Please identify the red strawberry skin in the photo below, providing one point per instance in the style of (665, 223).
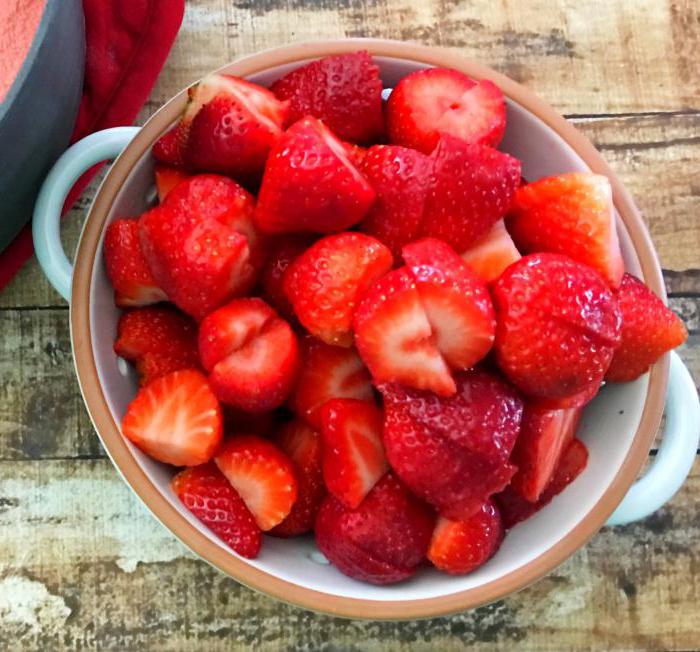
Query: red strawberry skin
(453, 452)
(473, 188)
(342, 90)
(251, 354)
(649, 329)
(310, 184)
(558, 325)
(435, 101)
(158, 340)
(170, 147)
(571, 214)
(460, 547)
(128, 272)
(382, 541)
(514, 508)
(327, 372)
(400, 177)
(211, 498)
(304, 447)
(325, 283)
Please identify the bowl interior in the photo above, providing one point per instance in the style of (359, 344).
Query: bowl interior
(608, 426)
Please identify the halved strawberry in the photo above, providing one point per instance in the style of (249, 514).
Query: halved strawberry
(197, 243)
(310, 184)
(304, 447)
(570, 214)
(262, 475)
(210, 497)
(577, 400)
(327, 372)
(170, 147)
(435, 101)
(456, 302)
(514, 508)
(158, 340)
(175, 419)
(167, 177)
(460, 547)
(473, 188)
(342, 90)
(128, 272)
(649, 329)
(544, 436)
(492, 253)
(325, 283)
(394, 337)
(353, 454)
(400, 176)
(252, 355)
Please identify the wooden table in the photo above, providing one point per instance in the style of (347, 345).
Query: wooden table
(82, 564)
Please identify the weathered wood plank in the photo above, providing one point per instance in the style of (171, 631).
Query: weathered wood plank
(93, 544)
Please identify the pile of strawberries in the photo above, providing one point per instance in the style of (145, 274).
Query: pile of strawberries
(354, 344)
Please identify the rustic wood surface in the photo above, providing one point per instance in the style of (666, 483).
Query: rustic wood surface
(83, 565)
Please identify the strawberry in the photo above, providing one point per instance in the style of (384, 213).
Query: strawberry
(472, 189)
(310, 184)
(400, 177)
(282, 252)
(303, 445)
(435, 101)
(158, 340)
(356, 154)
(128, 272)
(382, 541)
(342, 90)
(325, 283)
(262, 475)
(453, 452)
(544, 436)
(197, 243)
(649, 329)
(327, 372)
(577, 400)
(175, 419)
(167, 177)
(353, 455)
(258, 423)
(492, 253)
(394, 337)
(570, 214)
(456, 302)
(514, 508)
(252, 355)
(211, 498)
(558, 325)
(460, 547)
(170, 147)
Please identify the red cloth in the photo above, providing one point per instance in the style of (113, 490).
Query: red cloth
(127, 43)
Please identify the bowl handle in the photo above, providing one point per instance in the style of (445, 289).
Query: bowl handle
(101, 146)
(676, 454)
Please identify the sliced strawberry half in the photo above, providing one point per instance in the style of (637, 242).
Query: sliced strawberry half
(252, 355)
(353, 454)
(262, 475)
(324, 284)
(435, 101)
(310, 184)
(492, 253)
(127, 270)
(210, 497)
(570, 214)
(460, 547)
(394, 337)
(544, 436)
(456, 302)
(304, 447)
(473, 188)
(175, 419)
(328, 372)
(167, 177)
(344, 91)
